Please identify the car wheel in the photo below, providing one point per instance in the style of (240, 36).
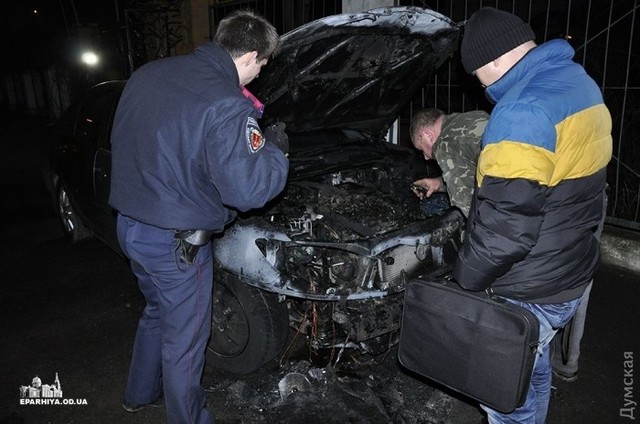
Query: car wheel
(71, 224)
(249, 326)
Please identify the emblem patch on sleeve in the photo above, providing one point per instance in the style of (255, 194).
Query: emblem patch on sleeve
(255, 139)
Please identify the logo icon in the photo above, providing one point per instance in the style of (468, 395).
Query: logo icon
(46, 394)
(39, 390)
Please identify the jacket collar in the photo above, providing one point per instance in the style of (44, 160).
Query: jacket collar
(549, 52)
(220, 59)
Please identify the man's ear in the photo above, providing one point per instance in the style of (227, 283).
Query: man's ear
(246, 59)
(250, 58)
(430, 135)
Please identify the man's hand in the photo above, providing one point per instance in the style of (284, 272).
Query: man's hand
(276, 135)
(426, 187)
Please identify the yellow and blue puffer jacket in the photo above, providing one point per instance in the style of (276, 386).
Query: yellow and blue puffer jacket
(541, 177)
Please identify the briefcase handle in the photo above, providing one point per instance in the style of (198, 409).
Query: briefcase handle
(445, 276)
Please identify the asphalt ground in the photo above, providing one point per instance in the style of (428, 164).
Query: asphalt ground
(73, 309)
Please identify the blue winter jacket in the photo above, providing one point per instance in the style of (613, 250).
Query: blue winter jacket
(540, 182)
(187, 151)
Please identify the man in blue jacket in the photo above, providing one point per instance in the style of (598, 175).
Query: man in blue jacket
(540, 183)
(187, 154)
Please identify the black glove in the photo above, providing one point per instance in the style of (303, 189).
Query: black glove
(276, 135)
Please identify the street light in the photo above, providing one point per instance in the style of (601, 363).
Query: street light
(90, 59)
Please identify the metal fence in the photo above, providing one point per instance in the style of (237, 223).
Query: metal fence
(152, 34)
(603, 33)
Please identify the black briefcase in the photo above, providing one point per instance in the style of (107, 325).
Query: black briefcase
(480, 346)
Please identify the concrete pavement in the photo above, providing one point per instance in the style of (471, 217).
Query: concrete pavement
(621, 247)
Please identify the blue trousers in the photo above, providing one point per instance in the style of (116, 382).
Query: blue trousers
(170, 342)
(552, 317)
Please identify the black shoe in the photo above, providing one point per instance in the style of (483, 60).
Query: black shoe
(135, 408)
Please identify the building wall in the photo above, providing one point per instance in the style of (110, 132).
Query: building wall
(200, 21)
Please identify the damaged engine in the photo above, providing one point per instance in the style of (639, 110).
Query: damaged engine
(334, 222)
(342, 241)
(346, 206)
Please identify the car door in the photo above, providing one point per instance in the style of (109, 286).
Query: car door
(105, 215)
(78, 154)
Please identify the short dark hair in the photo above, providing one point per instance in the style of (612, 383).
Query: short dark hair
(244, 31)
(423, 118)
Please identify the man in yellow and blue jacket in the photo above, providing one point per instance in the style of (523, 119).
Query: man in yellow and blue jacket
(532, 229)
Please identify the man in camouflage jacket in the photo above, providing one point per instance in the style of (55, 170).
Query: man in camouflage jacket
(454, 141)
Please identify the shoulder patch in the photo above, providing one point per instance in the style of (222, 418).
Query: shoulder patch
(255, 139)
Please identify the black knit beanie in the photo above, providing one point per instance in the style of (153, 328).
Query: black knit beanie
(489, 34)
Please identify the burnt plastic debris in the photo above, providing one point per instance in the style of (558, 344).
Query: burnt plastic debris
(435, 205)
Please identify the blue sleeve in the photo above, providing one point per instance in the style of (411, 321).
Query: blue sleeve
(246, 172)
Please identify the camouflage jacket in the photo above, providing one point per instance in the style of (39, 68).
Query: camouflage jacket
(456, 151)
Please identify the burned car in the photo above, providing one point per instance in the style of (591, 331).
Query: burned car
(347, 234)
(329, 257)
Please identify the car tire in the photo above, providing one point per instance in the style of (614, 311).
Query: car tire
(71, 224)
(249, 326)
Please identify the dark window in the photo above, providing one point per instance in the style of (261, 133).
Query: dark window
(65, 125)
(93, 119)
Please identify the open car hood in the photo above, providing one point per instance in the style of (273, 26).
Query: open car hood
(354, 71)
